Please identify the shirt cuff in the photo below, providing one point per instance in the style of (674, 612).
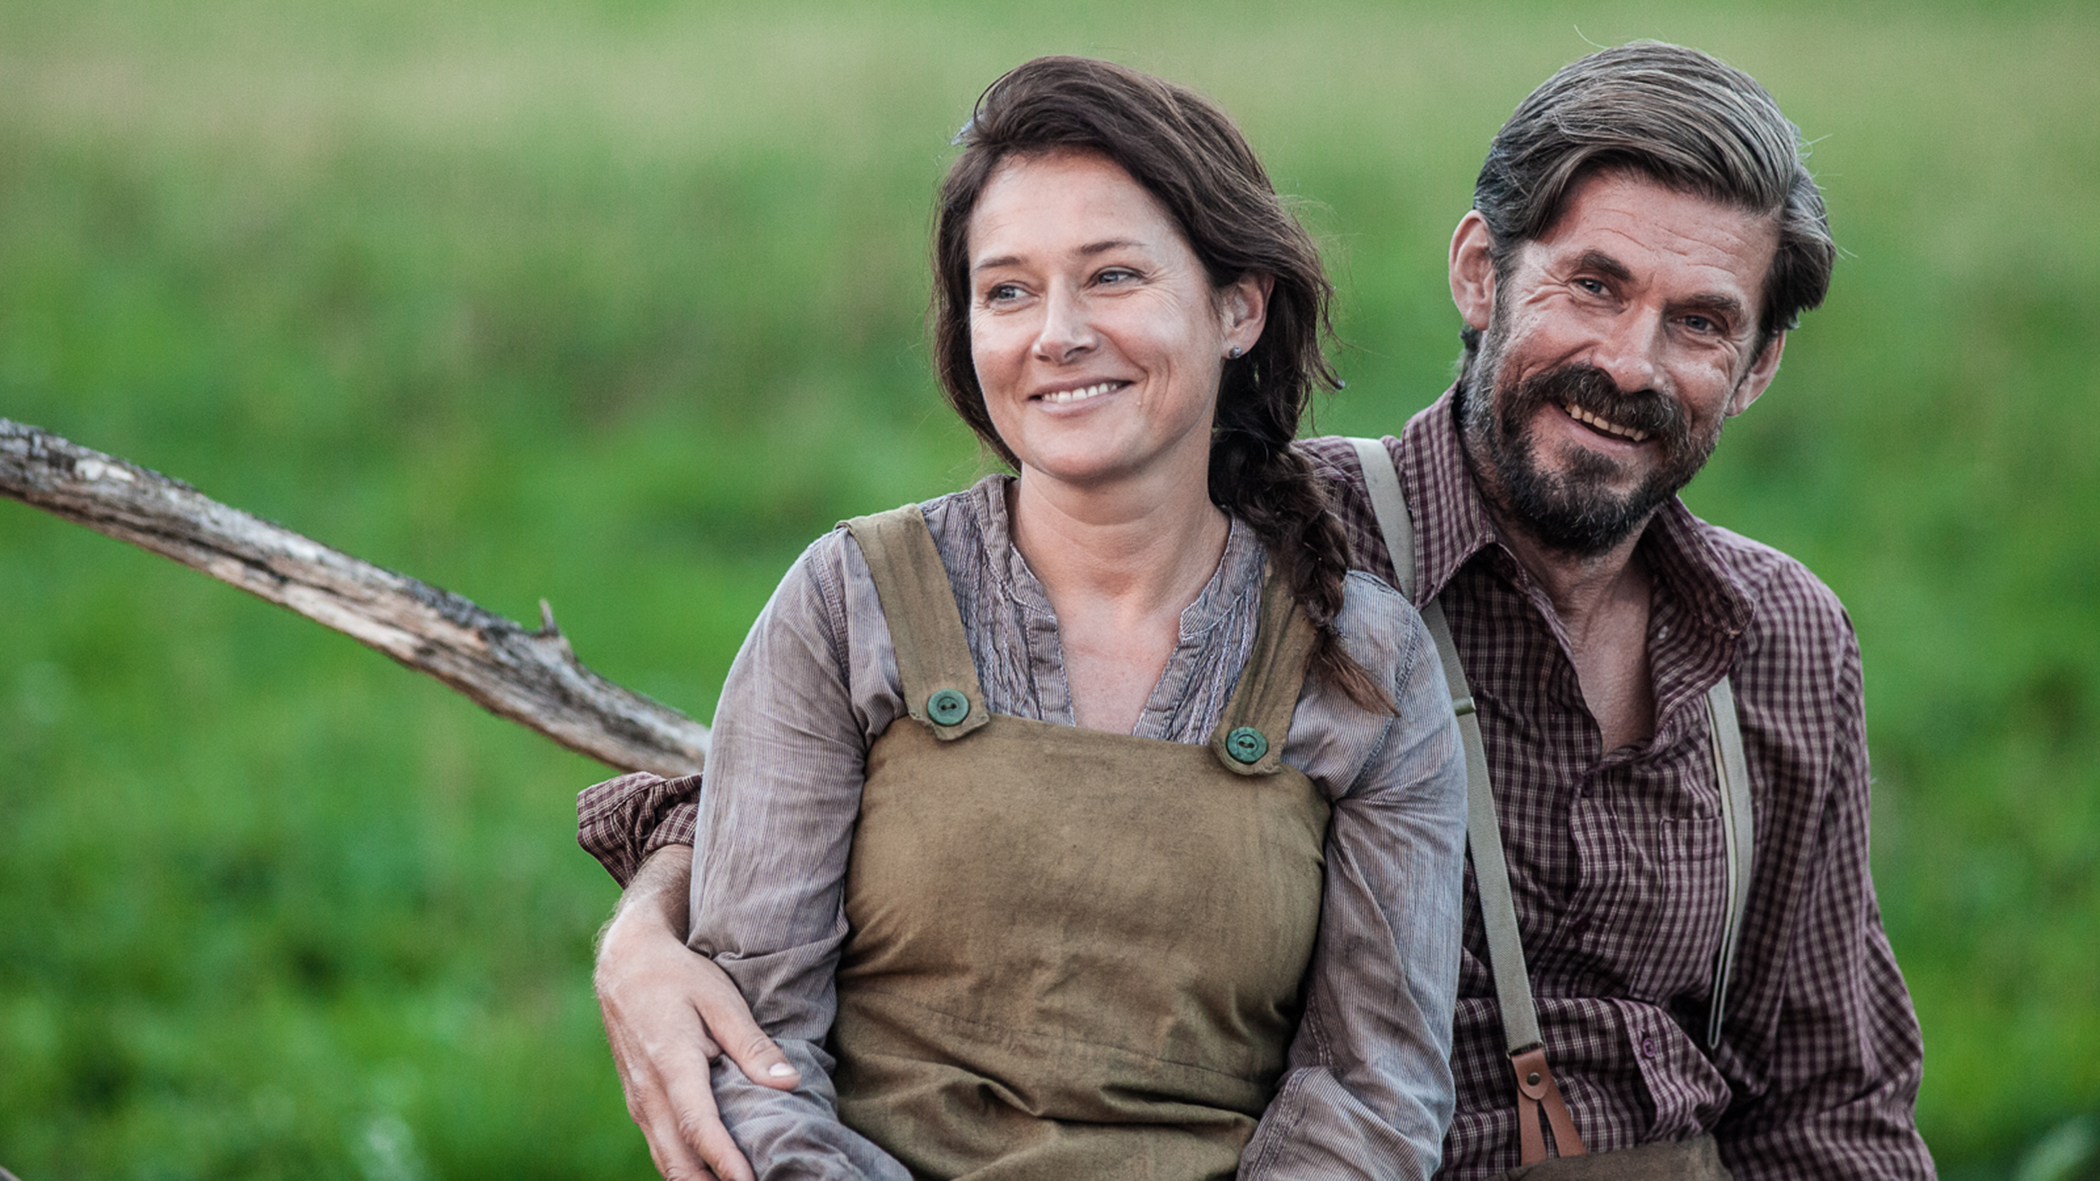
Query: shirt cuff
(622, 821)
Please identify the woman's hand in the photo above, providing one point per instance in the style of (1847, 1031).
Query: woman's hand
(668, 1013)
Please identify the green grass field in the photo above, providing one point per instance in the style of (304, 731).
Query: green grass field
(619, 303)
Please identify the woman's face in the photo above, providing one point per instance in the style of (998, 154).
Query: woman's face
(1097, 338)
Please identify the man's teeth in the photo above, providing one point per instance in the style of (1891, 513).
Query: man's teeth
(1080, 395)
(1603, 424)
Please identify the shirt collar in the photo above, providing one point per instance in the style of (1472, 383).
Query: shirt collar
(1452, 525)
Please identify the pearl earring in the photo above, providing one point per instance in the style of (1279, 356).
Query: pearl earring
(1235, 353)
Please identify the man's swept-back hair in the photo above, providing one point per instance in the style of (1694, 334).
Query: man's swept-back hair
(1187, 154)
(1682, 119)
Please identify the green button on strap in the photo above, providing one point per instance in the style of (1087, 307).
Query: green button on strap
(1246, 745)
(948, 707)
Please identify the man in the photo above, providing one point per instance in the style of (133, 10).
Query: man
(1643, 235)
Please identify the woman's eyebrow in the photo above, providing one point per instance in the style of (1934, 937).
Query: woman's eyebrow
(1106, 245)
(1087, 251)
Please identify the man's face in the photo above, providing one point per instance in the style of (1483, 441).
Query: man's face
(1611, 353)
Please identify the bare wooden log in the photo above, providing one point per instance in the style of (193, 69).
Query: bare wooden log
(530, 677)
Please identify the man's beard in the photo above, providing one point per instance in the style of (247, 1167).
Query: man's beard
(1574, 510)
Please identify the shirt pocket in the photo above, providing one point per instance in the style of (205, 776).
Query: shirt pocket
(1682, 911)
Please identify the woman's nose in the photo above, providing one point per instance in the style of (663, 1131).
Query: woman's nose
(1067, 331)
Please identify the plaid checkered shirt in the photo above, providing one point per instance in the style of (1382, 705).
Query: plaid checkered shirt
(1616, 857)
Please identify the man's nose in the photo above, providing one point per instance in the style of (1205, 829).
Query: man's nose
(1067, 331)
(1631, 349)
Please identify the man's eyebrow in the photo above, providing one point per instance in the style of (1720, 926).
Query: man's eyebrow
(1719, 303)
(1603, 264)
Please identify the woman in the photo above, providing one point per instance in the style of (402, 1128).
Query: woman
(1095, 822)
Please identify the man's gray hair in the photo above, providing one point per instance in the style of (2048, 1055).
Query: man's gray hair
(1681, 118)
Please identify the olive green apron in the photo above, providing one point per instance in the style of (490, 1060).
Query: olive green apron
(1072, 954)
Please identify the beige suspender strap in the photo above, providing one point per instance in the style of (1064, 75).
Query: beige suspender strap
(934, 665)
(1537, 1093)
(1739, 838)
(1389, 505)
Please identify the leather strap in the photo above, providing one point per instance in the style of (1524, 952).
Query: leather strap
(918, 602)
(1536, 1090)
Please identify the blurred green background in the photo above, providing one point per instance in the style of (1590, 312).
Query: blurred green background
(620, 302)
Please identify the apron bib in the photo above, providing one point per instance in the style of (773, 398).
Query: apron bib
(1072, 953)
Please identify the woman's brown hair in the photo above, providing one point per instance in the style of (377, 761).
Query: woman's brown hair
(1185, 152)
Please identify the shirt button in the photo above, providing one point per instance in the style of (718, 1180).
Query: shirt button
(1647, 1047)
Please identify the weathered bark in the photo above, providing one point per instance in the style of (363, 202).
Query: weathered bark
(530, 677)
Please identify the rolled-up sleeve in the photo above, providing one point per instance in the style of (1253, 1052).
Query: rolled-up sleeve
(1368, 1088)
(625, 819)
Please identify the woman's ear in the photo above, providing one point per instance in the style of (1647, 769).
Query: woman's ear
(1243, 306)
(1473, 271)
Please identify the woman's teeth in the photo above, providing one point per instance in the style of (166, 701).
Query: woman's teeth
(1603, 424)
(1082, 394)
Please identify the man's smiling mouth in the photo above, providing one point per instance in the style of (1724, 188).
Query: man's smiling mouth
(1598, 422)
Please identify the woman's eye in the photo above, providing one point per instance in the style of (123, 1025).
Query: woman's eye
(1115, 275)
(1001, 292)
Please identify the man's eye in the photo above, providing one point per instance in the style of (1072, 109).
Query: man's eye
(1593, 286)
(1701, 324)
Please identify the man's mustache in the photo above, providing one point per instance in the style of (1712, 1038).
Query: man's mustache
(1590, 388)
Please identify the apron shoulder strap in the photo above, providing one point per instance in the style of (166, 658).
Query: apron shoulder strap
(934, 665)
(1250, 734)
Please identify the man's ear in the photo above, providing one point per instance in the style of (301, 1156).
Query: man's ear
(1473, 271)
(1244, 306)
(1762, 370)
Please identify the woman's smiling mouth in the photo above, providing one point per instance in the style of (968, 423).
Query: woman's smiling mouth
(1062, 397)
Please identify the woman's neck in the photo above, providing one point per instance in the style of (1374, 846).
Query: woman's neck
(1144, 553)
(1119, 563)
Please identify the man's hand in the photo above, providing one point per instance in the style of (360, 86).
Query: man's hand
(668, 1012)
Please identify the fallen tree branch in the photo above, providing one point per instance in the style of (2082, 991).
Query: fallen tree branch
(530, 677)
